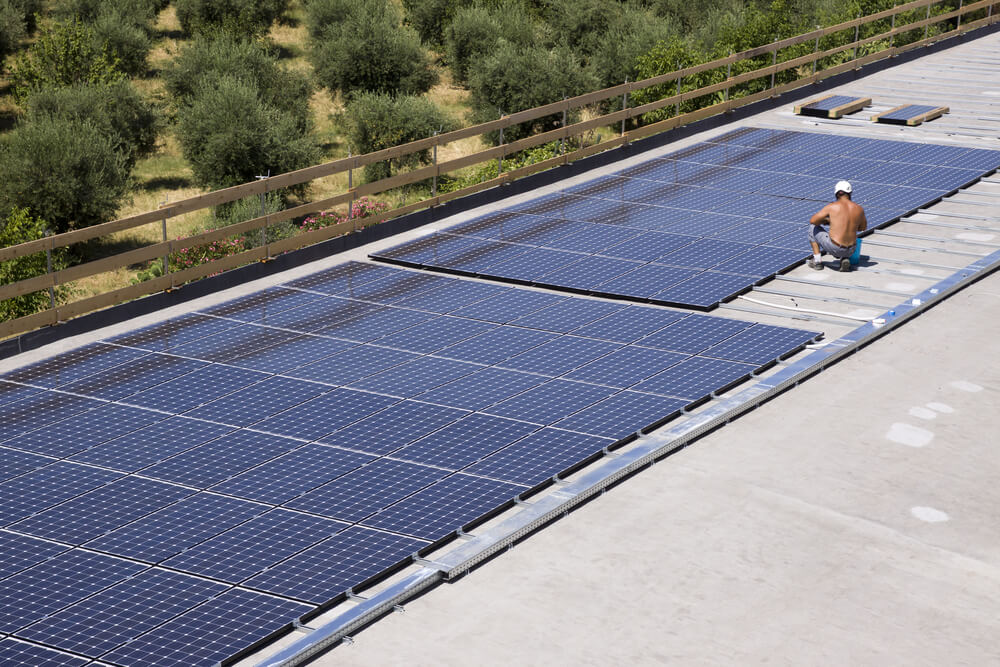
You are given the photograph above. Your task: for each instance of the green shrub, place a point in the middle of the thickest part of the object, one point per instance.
(20, 227)
(244, 18)
(430, 17)
(476, 31)
(66, 171)
(666, 57)
(576, 23)
(513, 79)
(614, 53)
(230, 135)
(65, 54)
(13, 28)
(205, 61)
(374, 121)
(129, 44)
(368, 49)
(249, 208)
(117, 109)
(140, 13)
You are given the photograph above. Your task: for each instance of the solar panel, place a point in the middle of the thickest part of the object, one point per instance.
(256, 306)
(508, 306)
(390, 429)
(39, 410)
(539, 456)
(760, 344)
(355, 554)
(351, 365)
(165, 336)
(696, 377)
(414, 377)
(135, 376)
(251, 405)
(586, 273)
(211, 632)
(624, 367)
(233, 343)
(465, 441)
(646, 281)
(694, 334)
(497, 344)
(16, 653)
(19, 552)
(312, 316)
(376, 324)
(255, 546)
(630, 324)
(84, 430)
(444, 507)
(122, 612)
(221, 458)
(41, 489)
(291, 354)
(325, 414)
(102, 510)
(293, 474)
(36, 592)
(560, 355)
(619, 416)
(197, 387)
(704, 290)
(550, 402)
(10, 392)
(482, 388)
(14, 462)
(365, 491)
(74, 365)
(180, 526)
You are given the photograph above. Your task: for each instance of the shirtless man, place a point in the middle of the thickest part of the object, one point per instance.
(845, 220)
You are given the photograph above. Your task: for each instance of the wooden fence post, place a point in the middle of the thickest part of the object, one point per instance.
(958, 26)
(434, 183)
(892, 28)
(350, 186)
(677, 107)
(774, 62)
(857, 30)
(48, 270)
(500, 159)
(562, 139)
(729, 75)
(625, 109)
(166, 254)
(815, 53)
(263, 230)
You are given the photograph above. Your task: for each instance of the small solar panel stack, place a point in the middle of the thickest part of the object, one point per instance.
(832, 106)
(909, 114)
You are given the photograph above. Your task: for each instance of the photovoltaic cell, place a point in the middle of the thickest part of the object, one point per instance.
(166, 336)
(74, 365)
(35, 593)
(178, 527)
(259, 401)
(550, 402)
(40, 410)
(85, 430)
(122, 612)
(14, 653)
(623, 414)
(429, 337)
(102, 510)
(366, 490)
(211, 632)
(14, 462)
(760, 344)
(630, 324)
(293, 474)
(390, 429)
(696, 377)
(233, 343)
(539, 456)
(296, 352)
(198, 387)
(568, 315)
(465, 441)
(482, 388)
(325, 414)
(334, 566)
(415, 377)
(43, 488)
(10, 392)
(255, 546)
(497, 344)
(256, 306)
(18, 552)
(624, 367)
(135, 376)
(561, 355)
(445, 507)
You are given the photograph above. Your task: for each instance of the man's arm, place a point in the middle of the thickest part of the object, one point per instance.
(822, 216)
(863, 222)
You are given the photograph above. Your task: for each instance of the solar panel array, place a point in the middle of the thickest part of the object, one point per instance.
(698, 226)
(177, 494)
(906, 112)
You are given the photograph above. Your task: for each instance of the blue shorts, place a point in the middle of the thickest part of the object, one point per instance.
(819, 235)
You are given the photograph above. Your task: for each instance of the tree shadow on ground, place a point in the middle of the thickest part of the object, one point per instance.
(166, 183)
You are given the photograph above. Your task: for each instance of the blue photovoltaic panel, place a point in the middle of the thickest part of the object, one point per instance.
(296, 352)
(151, 444)
(415, 377)
(10, 392)
(260, 401)
(36, 592)
(293, 474)
(74, 365)
(906, 112)
(255, 546)
(135, 376)
(314, 315)
(431, 336)
(254, 307)
(465, 441)
(191, 390)
(122, 612)
(43, 488)
(362, 492)
(332, 567)
(550, 402)
(340, 278)
(166, 336)
(445, 507)
(539, 456)
(175, 528)
(19, 552)
(325, 414)
(616, 417)
(496, 345)
(351, 365)
(508, 306)
(561, 355)
(14, 462)
(694, 333)
(624, 367)
(390, 429)
(646, 281)
(696, 377)
(39, 410)
(14, 653)
(482, 388)
(220, 459)
(85, 430)
(211, 632)
(101, 510)
(630, 324)
(568, 315)
(760, 344)
(233, 343)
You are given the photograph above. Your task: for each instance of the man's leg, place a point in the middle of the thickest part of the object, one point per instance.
(814, 261)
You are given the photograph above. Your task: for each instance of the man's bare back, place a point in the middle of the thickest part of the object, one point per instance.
(845, 218)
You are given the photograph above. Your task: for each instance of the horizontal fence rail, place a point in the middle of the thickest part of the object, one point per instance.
(767, 72)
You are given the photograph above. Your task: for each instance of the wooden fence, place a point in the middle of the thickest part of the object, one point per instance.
(884, 42)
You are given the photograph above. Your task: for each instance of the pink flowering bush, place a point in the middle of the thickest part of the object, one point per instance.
(363, 208)
(185, 258)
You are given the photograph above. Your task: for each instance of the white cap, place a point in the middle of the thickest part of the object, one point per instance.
(842, 186)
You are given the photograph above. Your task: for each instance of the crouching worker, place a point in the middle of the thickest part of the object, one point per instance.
(834, 229)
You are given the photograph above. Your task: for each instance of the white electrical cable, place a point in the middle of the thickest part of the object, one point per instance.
(805, 310)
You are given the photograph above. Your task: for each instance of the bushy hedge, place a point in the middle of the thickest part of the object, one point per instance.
(374, 121)
(64, 54)
(66, 171)
(17, 19)
(245, 18)
(475, 32)
(207, 60)
(230, 135)
(513, 78)
(430, 17)
(361, 45)
(18, 226)
(116, 109)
